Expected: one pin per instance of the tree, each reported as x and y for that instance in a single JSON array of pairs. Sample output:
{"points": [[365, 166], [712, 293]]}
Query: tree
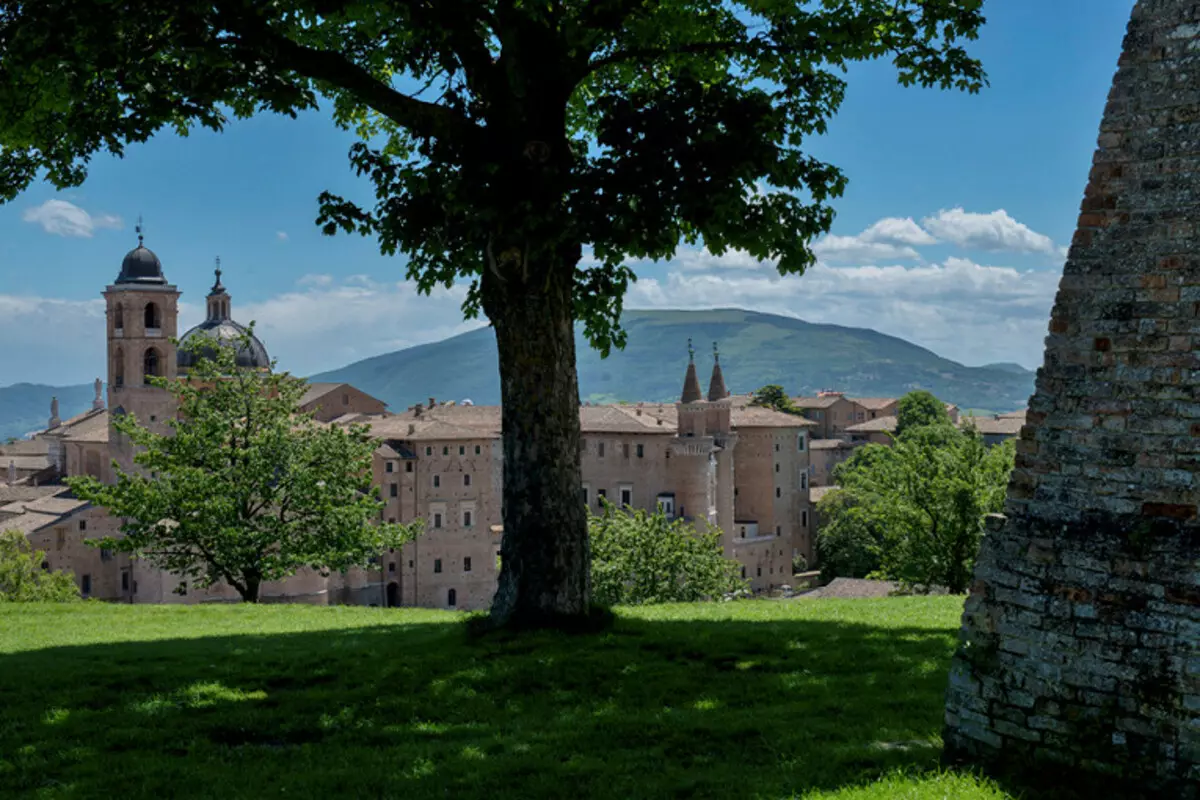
{"points": [[914, 512], [22, 577], [505, 139], [244, 488], [920, 409], [640, 558], [773, 396]]}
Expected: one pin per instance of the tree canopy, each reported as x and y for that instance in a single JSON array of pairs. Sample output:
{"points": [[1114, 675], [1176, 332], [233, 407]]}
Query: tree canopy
{"points": [[244, 488], [919, 409], [913, 512], [531, 150], [773, 396]]}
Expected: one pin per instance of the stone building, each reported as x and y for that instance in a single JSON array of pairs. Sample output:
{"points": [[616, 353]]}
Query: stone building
{"points": [[1079, 661], [711, 458]]}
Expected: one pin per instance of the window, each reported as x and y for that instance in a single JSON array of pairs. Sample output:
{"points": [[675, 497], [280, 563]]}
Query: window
{"points": [[445, 451], [777, 468], [583, 490], [601, 495], [153, 418], [83, 524], [408, 466], [391, 566], [476, 449], [777, 447], [437, 481], [428, 451], [437, 565], [467, 519], [462, 450], [803, 480], [410, 563], [345, 399], [105, 554], [667, 503], [467, 480], [743, 572], [452, 598], [800, 442], [626, 496], [760, 572], [641, 451], [391, 520], [600, 449], [467, 564], [437, 523], [389, 467], [119, 317], [124, 581], [778, 492], [394, 489], [803, 519], [779, 530], [151, 364], [625, 449], [153, 318]]}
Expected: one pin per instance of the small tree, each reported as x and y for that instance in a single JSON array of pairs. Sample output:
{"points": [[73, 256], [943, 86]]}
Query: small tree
{"points": [[918, 410], [915, 511], [773, 396], [22, 578], [245, 488], [640, 558]]}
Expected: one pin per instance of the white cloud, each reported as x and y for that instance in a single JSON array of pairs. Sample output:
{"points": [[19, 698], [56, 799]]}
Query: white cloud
{"points": [[856, 249], [702, 259], [281, 236], [897, 231], [992, 232], [67, 219], [959, 309]]}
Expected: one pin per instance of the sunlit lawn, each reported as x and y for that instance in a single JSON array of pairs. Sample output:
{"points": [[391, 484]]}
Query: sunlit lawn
{"points": [[821, 699]]}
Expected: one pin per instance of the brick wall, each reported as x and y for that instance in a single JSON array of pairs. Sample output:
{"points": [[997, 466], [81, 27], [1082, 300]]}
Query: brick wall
{"points": [[1079, 652]]}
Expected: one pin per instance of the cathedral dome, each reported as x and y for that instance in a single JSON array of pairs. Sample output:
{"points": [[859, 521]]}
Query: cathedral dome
{"points": [[141, 266], [252, 355]]}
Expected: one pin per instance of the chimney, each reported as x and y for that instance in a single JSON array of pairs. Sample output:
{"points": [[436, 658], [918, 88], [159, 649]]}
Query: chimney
{"points": [[12, 472], [432, 402], [639, 411], [417, 409], [412, 428]]}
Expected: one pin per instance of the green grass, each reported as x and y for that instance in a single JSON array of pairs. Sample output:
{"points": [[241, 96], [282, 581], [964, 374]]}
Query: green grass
{"points": [[815, 699]]}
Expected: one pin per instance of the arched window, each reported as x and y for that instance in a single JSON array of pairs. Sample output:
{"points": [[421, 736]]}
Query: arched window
{"points": [[452, 598], [151, 363], [119, 317], [153, 317], [118, 368]]}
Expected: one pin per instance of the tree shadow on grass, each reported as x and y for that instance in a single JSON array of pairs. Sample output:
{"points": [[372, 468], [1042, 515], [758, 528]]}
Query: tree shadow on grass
{"points": [[648, 709]]}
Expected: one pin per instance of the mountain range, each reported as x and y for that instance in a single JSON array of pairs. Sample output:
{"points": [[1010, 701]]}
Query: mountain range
{"points": [[755, 349]]}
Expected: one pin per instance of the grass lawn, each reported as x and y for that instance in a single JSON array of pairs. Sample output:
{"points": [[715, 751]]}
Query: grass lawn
{"points": [[813, 699]]}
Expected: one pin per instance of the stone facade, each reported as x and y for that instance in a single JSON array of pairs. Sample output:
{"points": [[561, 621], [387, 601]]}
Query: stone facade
{"points": [[1079, 653]]}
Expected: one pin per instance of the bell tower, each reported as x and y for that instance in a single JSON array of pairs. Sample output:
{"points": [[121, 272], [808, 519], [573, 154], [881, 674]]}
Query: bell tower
{"points": [[142, 311]]}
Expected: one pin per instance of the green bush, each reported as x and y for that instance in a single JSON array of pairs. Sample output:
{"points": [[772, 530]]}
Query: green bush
{"points": [[640, 558], [22, 579]]}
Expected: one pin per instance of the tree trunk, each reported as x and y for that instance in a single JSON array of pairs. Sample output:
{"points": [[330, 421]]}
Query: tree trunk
{"points": [[250, 594], [544, 578]]}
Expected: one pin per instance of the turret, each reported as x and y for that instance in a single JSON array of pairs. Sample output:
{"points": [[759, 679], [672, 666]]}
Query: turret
{"points": [[691, 384], [716, 385]]}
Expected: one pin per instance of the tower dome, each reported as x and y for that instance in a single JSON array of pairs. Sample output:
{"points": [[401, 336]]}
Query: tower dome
{"points": [[141, 265], [219, 328]]}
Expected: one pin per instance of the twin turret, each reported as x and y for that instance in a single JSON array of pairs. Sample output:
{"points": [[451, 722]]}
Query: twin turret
{"points": [[691, 383]]}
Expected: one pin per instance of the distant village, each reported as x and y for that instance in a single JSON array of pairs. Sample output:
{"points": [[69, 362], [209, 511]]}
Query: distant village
{"points": [[711, 456]]}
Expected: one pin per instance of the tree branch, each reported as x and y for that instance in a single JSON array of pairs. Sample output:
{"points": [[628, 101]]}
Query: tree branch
{"points": [[424, 119]]}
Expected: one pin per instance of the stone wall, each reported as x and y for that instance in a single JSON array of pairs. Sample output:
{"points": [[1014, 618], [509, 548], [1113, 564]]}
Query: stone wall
{"points": [[1079, 657]]}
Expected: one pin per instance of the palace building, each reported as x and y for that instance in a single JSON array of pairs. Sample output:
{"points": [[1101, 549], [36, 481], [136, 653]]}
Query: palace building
{"points": [[711, 458]]}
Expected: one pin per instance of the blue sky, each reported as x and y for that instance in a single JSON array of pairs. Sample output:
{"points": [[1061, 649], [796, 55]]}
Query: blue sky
{"points": [[951, 233]]}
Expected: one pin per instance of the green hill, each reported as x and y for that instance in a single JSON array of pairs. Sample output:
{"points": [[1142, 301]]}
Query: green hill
{"points": [[25, 407], [756, 349]]}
